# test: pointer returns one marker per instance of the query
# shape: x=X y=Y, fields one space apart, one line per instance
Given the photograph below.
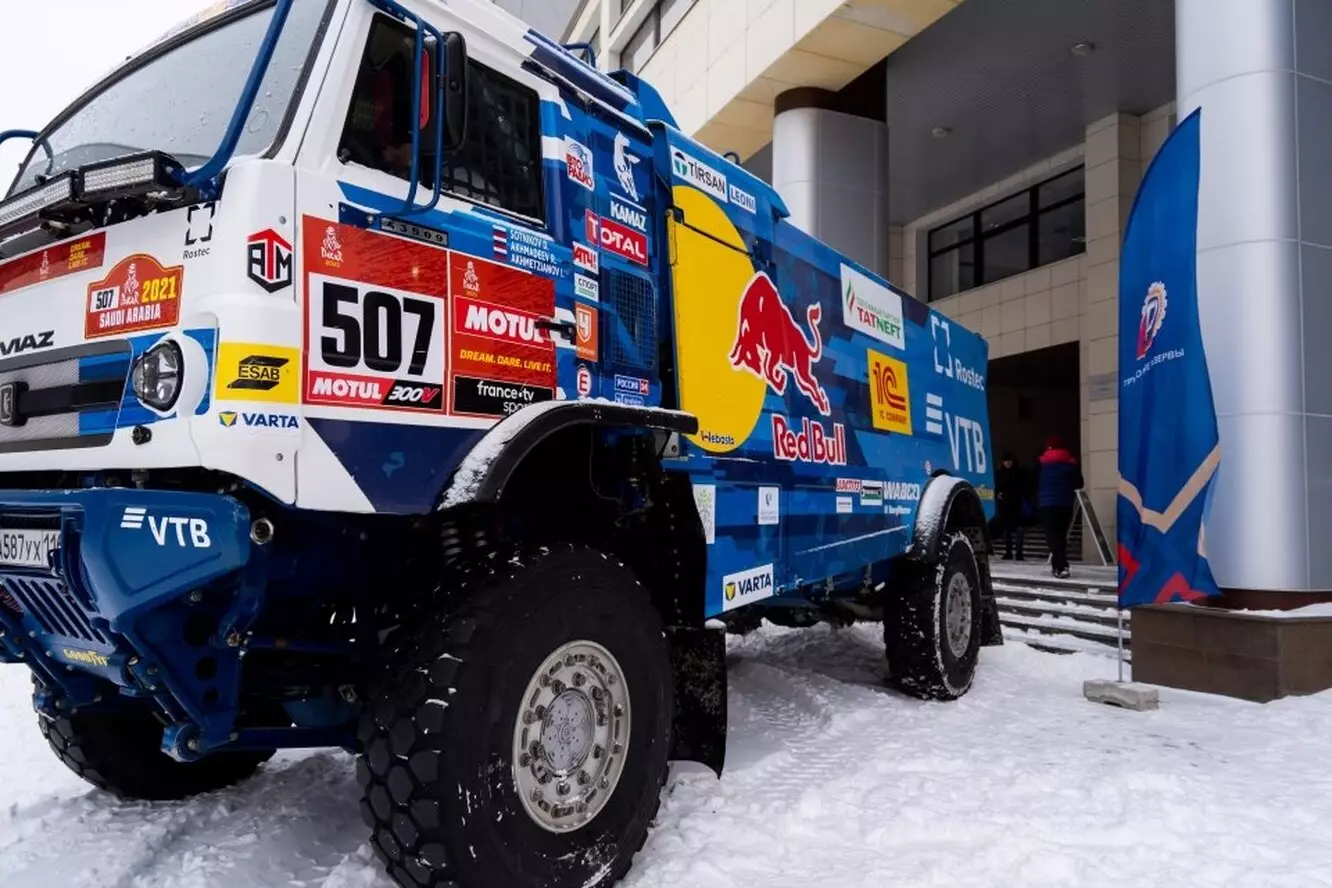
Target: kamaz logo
x=633 y=216
x=30 y=342
x=189 y=533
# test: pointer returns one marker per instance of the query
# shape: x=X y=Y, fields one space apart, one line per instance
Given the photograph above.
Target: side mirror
x=455 y=90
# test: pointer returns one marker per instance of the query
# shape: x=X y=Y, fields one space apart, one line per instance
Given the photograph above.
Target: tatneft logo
x=890 y=396
x=698 y=173
x=746 y=587
x=168 y=530
x=872 y=308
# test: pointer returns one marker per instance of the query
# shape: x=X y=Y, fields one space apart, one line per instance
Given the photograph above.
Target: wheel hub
x=957 y=616
x=570 y=736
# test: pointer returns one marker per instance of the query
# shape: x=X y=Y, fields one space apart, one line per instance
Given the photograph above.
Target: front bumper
x=142 y=591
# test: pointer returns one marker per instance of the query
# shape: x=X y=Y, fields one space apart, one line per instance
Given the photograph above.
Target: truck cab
x=407 y=385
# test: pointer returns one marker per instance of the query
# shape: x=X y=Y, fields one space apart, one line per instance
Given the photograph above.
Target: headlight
x=158 y=375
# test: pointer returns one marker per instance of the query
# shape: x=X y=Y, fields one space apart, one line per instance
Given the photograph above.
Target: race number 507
x=375 y=331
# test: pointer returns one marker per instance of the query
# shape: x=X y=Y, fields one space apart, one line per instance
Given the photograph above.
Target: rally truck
x=382 y=376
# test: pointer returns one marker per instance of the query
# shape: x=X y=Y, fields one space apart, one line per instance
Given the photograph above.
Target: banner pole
x=1119 y=616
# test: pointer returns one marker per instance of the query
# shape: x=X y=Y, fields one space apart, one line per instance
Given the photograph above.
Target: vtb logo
x=890 y=395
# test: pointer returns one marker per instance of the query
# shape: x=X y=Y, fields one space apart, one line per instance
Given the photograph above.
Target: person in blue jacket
x=1058 y=480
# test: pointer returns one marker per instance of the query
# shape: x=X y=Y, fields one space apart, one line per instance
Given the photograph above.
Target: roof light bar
x=127 y=175
x=30 y=202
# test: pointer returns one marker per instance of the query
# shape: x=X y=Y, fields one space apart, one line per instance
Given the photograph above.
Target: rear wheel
x=524 y=741
x=121 y=753
x=931 y=629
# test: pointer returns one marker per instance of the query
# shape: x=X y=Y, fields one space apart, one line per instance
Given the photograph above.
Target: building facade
x=984 y=156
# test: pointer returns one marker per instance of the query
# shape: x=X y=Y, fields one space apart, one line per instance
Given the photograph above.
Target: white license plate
x=27 y=548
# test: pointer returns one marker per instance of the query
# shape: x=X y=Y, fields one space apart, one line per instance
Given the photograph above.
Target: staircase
x=1036 y=548
x=1065 y=616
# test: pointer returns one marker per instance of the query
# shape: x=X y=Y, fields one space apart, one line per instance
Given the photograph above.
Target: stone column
x=832 y=170
x=1260 y=71
x=1113 y=170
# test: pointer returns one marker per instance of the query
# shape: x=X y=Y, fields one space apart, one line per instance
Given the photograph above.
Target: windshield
x=181 y=101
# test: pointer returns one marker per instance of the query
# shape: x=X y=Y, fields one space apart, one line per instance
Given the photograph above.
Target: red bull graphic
x=1153 y=316
x=769 y=342
x=812 y=443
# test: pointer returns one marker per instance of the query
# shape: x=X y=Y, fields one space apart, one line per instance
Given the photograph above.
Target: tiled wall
x=1076 y=300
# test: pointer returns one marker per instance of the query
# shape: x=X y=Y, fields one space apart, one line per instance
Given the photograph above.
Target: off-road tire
x=437 y=737
x=121 y=753
x=921 y=662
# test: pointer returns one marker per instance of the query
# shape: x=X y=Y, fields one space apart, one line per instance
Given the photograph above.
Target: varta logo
x=746 y=587
x=281 y=421
x=227 y=418
x=17 y=345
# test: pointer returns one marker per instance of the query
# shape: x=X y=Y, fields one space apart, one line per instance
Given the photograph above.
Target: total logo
x=1153 y=316
x=769 y=342
x=746 y=587
x=281 y=422
x=623 y=241
x=810 y=443
x=168 y=530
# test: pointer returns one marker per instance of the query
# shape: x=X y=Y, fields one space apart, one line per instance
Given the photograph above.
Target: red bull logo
x=811 y=443
x=770 y=344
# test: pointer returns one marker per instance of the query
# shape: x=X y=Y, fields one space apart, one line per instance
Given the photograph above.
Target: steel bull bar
x=114 y=595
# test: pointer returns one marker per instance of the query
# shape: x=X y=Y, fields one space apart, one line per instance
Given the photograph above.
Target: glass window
x=181 y=101
x=1038 y=226
x=499 y=162
x=640 y=46
x=1061 y=232
x=671 y=12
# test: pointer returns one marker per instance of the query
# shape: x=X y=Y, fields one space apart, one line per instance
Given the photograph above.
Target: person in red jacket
x=1058 y=480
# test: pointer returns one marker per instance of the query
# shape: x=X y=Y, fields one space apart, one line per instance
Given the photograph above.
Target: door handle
x=563 y=328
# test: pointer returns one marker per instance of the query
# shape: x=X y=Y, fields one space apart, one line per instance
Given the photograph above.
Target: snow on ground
x=832 y=780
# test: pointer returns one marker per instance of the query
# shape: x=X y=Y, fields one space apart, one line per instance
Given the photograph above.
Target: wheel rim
x=571 y=736
x=957 y=617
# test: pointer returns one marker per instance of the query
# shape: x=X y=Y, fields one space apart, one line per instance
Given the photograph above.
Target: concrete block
x=1126 y=695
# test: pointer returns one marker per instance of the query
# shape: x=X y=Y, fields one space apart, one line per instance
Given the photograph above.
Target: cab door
x=422 y=330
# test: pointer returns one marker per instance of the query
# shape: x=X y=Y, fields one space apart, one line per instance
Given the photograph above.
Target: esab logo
x=746 y=587
x=256 y=372
x=890 y=399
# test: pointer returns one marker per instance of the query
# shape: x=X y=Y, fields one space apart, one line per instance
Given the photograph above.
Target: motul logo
x=624 y=242
x=495 y=322
x=348 y=389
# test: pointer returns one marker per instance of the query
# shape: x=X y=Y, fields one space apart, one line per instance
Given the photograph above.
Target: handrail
x=231 y=138
x=6 y=135
x=585 y=47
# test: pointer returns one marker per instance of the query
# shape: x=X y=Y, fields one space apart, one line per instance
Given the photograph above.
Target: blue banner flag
x=1169 y=447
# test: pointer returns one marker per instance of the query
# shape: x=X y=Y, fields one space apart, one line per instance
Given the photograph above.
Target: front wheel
x=524 y=742
x=931 y=628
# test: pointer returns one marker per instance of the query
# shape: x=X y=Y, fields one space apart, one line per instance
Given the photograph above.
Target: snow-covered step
x=1060 y=626
x=1079 y=612
x=1056 y=643
x=1096 y=600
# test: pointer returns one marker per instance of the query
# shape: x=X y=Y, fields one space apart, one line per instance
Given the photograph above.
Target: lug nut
x=562 y=788
x=524 y=761
x=579 y=679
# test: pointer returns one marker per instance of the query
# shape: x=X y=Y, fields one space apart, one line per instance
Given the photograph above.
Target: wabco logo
x=769 y=342
x=17 y=345
x=746 y=587
x=184 y=533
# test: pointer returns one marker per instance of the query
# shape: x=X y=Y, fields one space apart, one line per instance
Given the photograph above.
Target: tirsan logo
x=769 y=342
x=872 y=308
x=504 y=324
x=624 y=166
x=587 y=258
x=622 y=241
x=890 y=399
x=698 y=173
x=746 y=587
x=1153 y=316
x=812 y=443
x=183 y=533
x=17 y=345
x=630 y=214
x=578 y=162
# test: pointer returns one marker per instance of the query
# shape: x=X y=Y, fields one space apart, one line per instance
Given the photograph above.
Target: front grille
x=74 y=393
x=633 y=319
x=49 y=603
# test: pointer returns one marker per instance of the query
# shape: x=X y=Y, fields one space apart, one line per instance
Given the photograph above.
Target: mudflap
x=992 y=633
x=698 y=666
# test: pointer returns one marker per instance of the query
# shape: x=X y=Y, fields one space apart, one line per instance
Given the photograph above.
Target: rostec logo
x=578 y=162
x=890 y=397
x=630 y=214
x=184 y=533
x=811 y=444
x=872 y=308
x=1153 y=316
x=746 y=587
x=587 y=258
x=952 y=367
x=698 y=173
x=504 y=324
x=769 y=342
x=270 y=260
x=621 y=241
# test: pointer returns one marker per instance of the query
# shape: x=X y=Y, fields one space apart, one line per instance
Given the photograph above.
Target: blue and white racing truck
x=407 y=385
